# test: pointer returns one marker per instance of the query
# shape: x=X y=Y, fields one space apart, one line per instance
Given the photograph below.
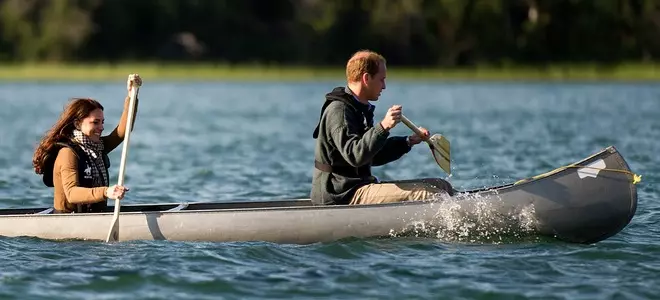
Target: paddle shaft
x=113 y=234
x=127 y=135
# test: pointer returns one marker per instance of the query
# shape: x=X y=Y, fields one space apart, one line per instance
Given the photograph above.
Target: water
x=210 y=141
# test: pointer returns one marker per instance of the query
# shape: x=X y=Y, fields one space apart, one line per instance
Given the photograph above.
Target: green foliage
x=44 y=30
x=430 y=33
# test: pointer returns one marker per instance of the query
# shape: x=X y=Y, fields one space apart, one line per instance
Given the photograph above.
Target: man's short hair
x=363 y=61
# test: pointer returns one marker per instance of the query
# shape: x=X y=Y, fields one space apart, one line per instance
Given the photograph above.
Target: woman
x=73 y=156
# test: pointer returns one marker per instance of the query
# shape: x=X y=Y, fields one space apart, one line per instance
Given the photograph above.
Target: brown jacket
x=67 y=192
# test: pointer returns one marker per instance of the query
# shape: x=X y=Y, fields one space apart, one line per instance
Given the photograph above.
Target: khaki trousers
x=403 y=190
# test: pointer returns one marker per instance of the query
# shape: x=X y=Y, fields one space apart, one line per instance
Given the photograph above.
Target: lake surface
x=214 y=141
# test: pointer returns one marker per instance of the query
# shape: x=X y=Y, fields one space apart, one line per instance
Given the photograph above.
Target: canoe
x=585 y=202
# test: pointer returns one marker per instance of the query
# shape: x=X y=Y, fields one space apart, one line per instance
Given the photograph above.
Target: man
x=348 y=142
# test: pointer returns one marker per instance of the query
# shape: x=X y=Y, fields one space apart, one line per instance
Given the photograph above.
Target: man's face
x=376 y=84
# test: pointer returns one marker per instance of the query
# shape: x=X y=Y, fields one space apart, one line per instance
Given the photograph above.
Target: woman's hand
x=116 y=192
x=134 y=80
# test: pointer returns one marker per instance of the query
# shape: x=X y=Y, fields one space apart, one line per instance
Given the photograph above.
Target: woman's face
x=92 y=125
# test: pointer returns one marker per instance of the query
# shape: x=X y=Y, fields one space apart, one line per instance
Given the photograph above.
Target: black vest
x=85 y=178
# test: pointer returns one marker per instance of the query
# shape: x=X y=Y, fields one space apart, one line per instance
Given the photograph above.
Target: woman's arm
x=67 y=163
x=111 y=141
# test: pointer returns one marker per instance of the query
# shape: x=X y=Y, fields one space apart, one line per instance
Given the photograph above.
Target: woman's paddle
x=439 y=146
x=113 y=234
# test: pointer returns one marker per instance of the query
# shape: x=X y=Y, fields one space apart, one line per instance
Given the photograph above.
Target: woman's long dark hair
x=74 y=112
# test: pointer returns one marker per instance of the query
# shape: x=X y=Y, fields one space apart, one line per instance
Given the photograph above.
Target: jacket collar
x=369 y=106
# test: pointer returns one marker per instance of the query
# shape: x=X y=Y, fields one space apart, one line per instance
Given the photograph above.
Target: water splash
x=473 y=218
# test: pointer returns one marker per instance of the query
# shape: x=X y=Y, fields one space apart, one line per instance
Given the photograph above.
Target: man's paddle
x=439 y=146
x=113 y=234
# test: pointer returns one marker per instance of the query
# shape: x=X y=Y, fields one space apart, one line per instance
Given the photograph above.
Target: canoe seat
x=47 y=211
x=179 y=207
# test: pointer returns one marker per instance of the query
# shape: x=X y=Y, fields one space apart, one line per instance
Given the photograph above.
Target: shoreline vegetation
x=223 y=72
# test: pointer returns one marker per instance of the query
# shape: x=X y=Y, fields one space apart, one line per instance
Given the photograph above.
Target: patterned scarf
x=95 y=152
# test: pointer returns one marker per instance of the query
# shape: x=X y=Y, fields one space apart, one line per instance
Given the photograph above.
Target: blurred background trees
x=429 y=33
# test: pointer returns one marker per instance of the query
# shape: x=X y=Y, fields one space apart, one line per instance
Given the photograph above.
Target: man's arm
x=356 y=149
x=394 y=148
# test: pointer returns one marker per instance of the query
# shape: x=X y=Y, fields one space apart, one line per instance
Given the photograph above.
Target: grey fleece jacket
x=349 y=143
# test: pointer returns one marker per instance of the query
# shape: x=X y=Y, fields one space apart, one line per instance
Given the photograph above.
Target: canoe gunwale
x=268 y=206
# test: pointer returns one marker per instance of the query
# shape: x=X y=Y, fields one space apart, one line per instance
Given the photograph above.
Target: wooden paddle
x=113 y=234
x=439 y=146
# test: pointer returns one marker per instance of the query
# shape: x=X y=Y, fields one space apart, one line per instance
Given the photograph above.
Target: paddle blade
x=440 y=148
x=113 y=234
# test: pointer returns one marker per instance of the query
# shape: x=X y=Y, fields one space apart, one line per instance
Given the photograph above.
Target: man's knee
x=440 y=184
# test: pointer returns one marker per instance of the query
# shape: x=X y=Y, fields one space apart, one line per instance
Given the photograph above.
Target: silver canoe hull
x=579 y=205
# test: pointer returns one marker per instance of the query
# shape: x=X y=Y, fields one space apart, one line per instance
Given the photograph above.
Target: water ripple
x=252 y=141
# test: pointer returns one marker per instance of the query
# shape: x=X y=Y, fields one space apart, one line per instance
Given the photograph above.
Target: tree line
x=325 y=32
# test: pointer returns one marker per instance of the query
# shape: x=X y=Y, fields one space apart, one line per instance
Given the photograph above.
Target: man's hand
x=392 y=117
x=416 y=139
